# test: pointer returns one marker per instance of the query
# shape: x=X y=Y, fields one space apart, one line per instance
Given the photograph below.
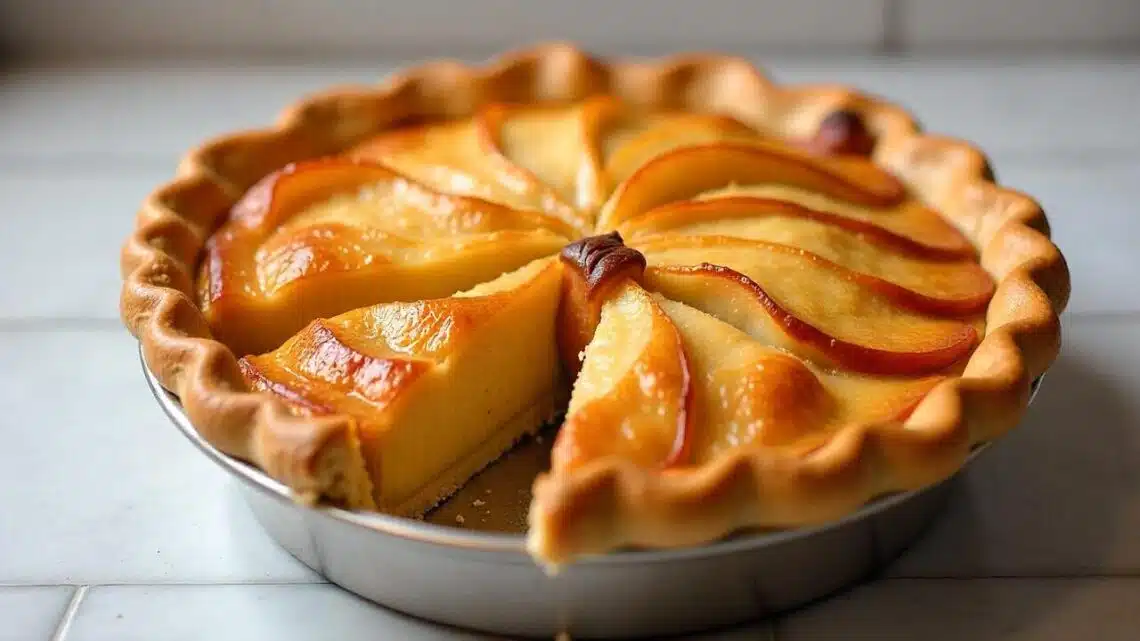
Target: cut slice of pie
x=670 y=399
x=319 y=238
x=766 y=305
x=437 y=389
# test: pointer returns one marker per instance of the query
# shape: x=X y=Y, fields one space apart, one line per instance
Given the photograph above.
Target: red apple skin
x=975 y=303
x=857 y=358
x=684 y=173
x=952 y=244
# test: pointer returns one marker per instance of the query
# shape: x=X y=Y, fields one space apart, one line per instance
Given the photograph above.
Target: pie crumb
x=478 y=503
x=459 y=519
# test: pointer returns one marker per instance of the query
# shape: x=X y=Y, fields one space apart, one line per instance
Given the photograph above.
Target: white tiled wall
x=966 y=22
x=437 y=25
x=85 y=27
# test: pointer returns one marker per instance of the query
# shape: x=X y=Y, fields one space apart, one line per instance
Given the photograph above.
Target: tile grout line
x=163 y=584
x=69 y=614
x=892 y=40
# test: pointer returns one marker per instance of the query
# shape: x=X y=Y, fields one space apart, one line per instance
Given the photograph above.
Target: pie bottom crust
x=609 y=504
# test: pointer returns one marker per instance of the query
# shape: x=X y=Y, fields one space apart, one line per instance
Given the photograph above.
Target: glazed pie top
x=770 y=304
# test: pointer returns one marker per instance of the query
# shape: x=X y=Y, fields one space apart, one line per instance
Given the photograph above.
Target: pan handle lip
x=510 y=546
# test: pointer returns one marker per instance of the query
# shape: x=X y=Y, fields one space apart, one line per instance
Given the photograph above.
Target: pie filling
x=707 y=289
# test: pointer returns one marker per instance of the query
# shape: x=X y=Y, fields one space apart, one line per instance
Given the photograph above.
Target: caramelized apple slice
x=438 y=388
x=684 y=173
x=593 y=266
x=320 y=238
x=942 y=288
x=786 y=300
x=909 y=217
x=745 y=394
x=630 y=399
x=908 y=229
x=378 y=196
x=630 y=144
x=554 y=145
x=254 y=300
x=463 y=158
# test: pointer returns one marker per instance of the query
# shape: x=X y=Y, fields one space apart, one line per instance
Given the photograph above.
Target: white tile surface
x=148 y=112
x=69 y=224
x=1027 y=104
x=31 y=613
x=1006 y=22
x=1016 y=104
x=1060 y=496
x=1093 y=205
x=108 y=491
x=978 y=610
x=243 y=613
x=87 y=26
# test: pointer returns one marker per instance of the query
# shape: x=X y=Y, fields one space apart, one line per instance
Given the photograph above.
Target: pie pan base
x=487 y=582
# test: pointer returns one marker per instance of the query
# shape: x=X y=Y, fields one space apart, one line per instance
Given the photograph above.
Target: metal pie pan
x=487 y=582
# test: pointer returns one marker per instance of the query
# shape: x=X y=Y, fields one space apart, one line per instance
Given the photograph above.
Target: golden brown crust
x=625 y=505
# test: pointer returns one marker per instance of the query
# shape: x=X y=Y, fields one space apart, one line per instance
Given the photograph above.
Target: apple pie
x=743 y=305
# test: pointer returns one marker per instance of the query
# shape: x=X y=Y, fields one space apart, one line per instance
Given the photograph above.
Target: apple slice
x=909 y=217
x=630 y=399
x=789 y=301
x=908 y=229
x=319 y=238
x=955 y=288
x=255 y=299
x=593 y=267
x=463 y=158
x=293 y=188
x=685 y=173
x=642 y=137
x=338 y=187
x=746 y=394
x=566 y=160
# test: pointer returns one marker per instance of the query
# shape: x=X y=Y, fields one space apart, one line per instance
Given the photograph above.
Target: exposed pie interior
x=732 y=323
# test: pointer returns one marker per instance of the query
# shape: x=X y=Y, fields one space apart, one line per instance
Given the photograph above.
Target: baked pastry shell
x=1009 y=229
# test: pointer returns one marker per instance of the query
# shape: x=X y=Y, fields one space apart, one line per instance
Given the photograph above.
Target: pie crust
x=611 y=503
